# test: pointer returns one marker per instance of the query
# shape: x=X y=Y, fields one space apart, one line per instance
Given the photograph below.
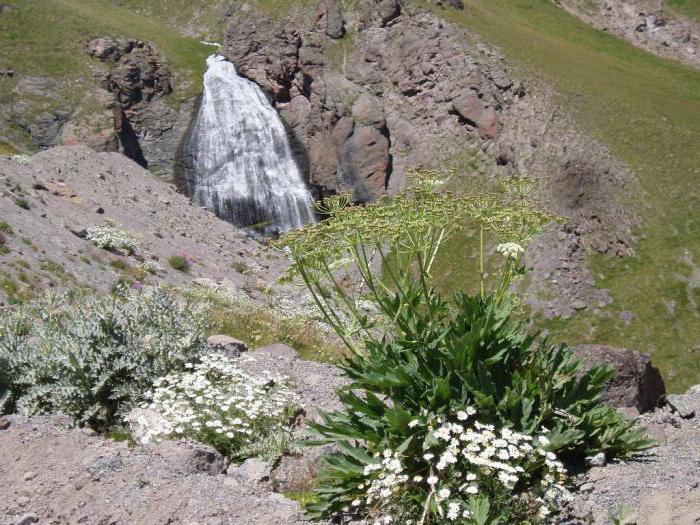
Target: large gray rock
x=637 y=383
x=229 y=345
x=299 y=473
x=251 y=471
x=388 y=10
x=330 y=18
x=686 y=406
x=191 y=458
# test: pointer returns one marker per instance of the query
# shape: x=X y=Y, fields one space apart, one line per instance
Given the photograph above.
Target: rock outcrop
x=147 y=125
x=363 y=111
x=637 y=383
x=411 y=90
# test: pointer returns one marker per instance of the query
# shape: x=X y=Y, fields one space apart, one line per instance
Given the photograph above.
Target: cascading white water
x=239 y=163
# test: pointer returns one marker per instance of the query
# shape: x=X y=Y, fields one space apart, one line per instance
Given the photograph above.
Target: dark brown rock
x=637 y=383
x=365 y=163
x=111 y=49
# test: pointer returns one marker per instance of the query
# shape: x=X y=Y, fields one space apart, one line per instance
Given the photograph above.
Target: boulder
x=472 y=109
x=277 y=352
x=388 y=10
x=330 y=18
x=637 y=383
x=686 y=406
x=298 y=473
x=365 y=163
x=251 y=471
x=187 y=458
x=228 y=345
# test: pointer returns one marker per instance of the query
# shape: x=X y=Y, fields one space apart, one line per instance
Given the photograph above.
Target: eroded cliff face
x=148 y=127
x=403 y=89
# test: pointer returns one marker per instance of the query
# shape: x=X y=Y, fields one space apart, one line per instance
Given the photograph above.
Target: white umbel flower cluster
x=510 y=250
x=110 y=237
x=216 y=401
x=467 y=459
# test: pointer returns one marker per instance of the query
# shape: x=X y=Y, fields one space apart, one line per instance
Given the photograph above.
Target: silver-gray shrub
x=94 y=357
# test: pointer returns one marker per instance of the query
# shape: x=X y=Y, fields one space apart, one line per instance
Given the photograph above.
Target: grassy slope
x=647 y=110
x=47 y=39
x=690 y=8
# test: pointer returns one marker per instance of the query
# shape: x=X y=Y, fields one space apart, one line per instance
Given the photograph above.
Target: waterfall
x=237 y=158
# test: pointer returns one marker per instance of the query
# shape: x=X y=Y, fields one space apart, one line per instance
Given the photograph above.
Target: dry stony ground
x=71 y=188
x=52 y=474
x=659 y=488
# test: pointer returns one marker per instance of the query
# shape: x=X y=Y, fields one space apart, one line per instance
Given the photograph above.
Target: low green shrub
x=217 y=403
x=179 y=263
x=118 y=264
x=22 y=203
x=5 y=227
x=93 y=358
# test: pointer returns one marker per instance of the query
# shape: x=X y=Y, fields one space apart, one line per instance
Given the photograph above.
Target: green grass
x=647 y=110
x=689 y=8
x=179 y=263
x=47 y=39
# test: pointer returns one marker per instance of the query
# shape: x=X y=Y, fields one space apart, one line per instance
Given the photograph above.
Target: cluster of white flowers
x=216 y=400
x=20 y=158
x=389 y=477
x=510 y=250
x=111 y=237
x=151 y=267
x=468 y=458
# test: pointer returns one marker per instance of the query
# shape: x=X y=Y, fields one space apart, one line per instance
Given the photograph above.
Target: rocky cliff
x=369 y=93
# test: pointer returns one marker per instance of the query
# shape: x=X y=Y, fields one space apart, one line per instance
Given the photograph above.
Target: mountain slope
x=647 y=110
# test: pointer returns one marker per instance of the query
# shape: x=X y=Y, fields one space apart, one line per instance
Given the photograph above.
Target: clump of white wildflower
x=111 y=237
x=466 y=459
x=218 y=403
x=20 y=158
x=510 y=250
x=151 y=267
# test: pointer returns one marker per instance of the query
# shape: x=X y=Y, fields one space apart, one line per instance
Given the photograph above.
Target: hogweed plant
x=454 y=412
x=372 y=255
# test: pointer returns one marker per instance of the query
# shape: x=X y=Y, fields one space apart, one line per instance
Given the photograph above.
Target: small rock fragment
x=597 y=460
